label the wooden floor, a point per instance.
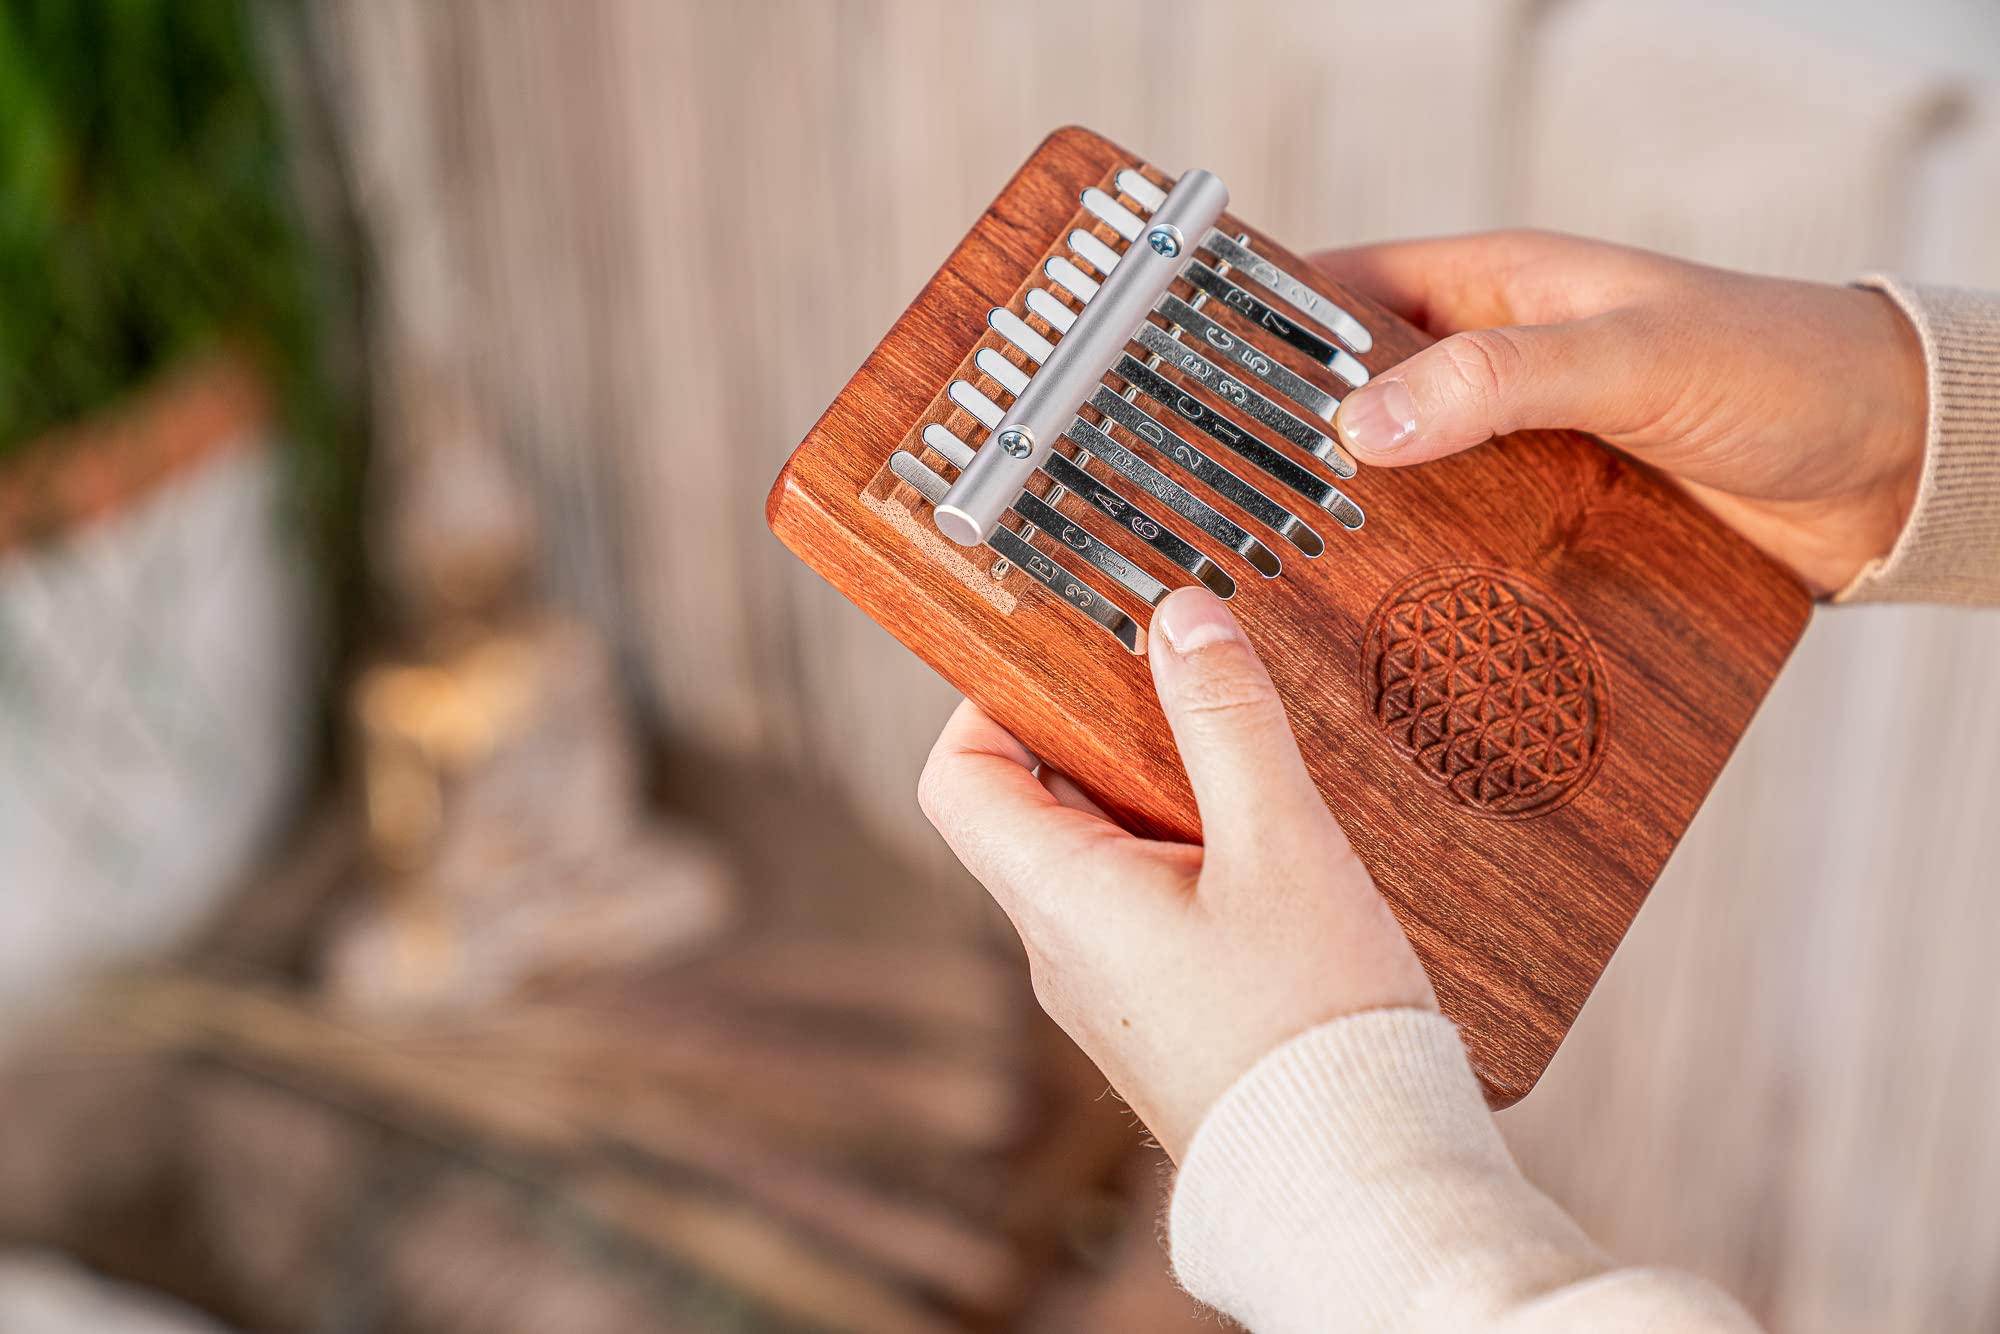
(651, 239)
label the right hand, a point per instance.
(1795, 411)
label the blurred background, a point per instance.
(457, 872)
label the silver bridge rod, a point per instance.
(971, 509)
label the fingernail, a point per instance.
(1378, 418)
(1194, 618)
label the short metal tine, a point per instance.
(1113, 214)
(949, 447)
(979, 405)
(1140, 190)
(1049, 573)
(1000, 370)
(1044, 303)
(1214, 380)
(1016, 331)
(1210, 472)
(1321, 309)
(1093, 252)
(909, 468)
(1070, 278)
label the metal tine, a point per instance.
(1071, 279)
(1078, 539)
(939, 439)
(1016, 331)
(1206, 373)
(1245, 494)
(983, 409)
(1046, 571)
(1259, 313)
(1237, 253)
(1189, 317)
(1094, 252)
(1099, 443)
(1046, 517)
(1144, 379)
(1136, 187)
(1000, 370)
(1069, 475)
(1246, 356)
(1242, 259)
(1113, 214)
(1135, 469)
(1043, 302)
(1229, 389)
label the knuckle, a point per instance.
(1230, 691)
(1483, 362)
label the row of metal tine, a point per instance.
(1218, 361)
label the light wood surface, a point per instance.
(655, 239)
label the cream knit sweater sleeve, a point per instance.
(1353, 1179)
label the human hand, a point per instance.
(1795, 411)
(1175, 967)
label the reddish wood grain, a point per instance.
(1683, 623)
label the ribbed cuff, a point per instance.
(1353, 1177)
(1949, 551)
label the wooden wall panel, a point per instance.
(1784, 1079)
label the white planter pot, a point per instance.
(157, 677)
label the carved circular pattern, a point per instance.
(1490, 686)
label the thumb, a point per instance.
(1468, 388)
(1230, 726)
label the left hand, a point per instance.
(1175, 967)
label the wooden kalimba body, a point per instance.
(1514, 673)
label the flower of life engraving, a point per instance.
(1490, 687)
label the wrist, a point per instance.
(1898, 445)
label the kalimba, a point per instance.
(1515, 673)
